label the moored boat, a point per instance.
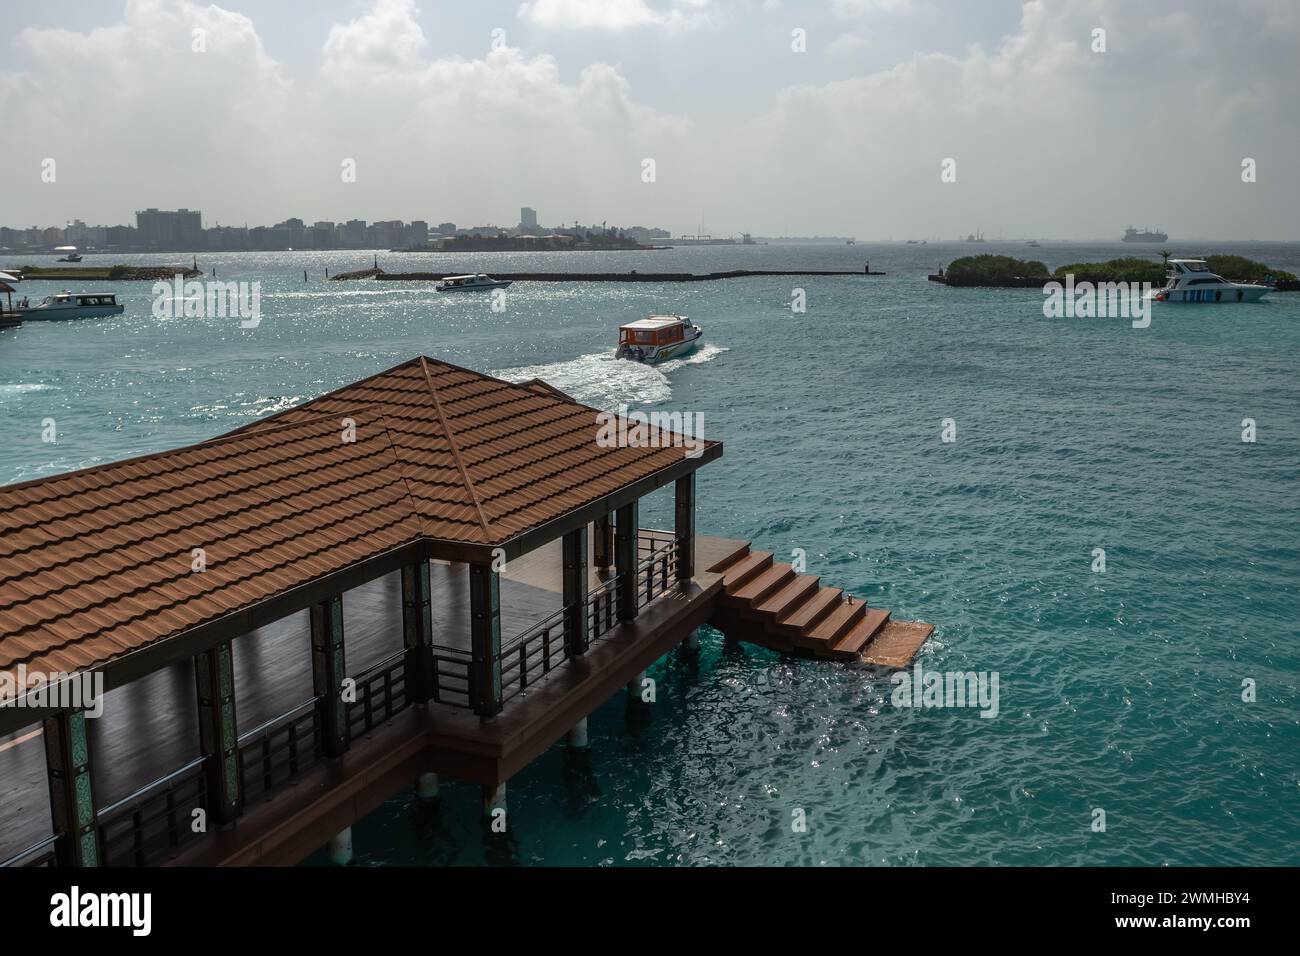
(72, 305)
(657, 338)
(470, 282)
(1190, 280)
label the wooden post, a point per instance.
(577, 632)
(72, 789)
(328, 669)
(603, 544)
(417, 630)
(684, 527)
(214, 679)
(625, 555)
(485, 639)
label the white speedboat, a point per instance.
(1190, 280)
(657, 338)
(466, 283)
(72, 305)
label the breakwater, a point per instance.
(383, 276)
(108, 273)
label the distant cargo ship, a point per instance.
(700, 240)
(1144, 235)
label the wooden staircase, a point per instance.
(768, 603)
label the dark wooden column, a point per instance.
(603, 543)
(328, 669)
(417, 631)
(72, 790)
(577, 632)
(684, 527)
(485, 639)
(214, 679)
(625, 555)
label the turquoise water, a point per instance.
(1119, 691)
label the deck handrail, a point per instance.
(45, 848)
(270, 724)
(144, 792)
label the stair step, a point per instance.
(837, 623)
(765, 584)
(810, 612)
(789, 597)
(751, 564)
(861, 633)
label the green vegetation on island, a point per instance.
(991, 270)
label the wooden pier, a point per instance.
(428, 572)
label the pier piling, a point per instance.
(340, 847)
(494, 799)
(577, 739)
(426, 786)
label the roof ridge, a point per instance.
(455, 448)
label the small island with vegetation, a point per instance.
(991, 271)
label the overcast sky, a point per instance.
(446, 119)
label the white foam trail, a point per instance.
(23, 388)
(606, 382)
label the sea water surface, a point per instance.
(1120, 691)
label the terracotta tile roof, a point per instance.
(97, 563)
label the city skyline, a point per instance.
(759, 116)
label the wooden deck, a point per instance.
(149, 728)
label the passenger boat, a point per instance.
(70, 254)
(72, 305)
(467, 283)
(1190, 280)
(657, 338)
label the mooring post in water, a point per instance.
(341, 847)
(494, 799)
(426, 786)
(692, 643)
(576, 739)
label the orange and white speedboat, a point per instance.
(657, 338)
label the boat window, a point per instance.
(1197, 267)
(1202, 281)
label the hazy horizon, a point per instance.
(468, 112)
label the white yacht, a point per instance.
(657, 338)
(72, 305)
(1190, 280)
(466, 283)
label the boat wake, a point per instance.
(603, 381)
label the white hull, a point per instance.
(474, 286)
(36, 313)
(653, 354)
(1218, 295)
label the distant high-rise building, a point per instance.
(167, 230)
(527, 218)
(419, 232)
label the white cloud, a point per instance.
(846, 43)
(613, 14)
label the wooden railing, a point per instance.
(279, 750)
(38, 854)
(381, 693)
(154, 822)
(533, 654)
(451, 667)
